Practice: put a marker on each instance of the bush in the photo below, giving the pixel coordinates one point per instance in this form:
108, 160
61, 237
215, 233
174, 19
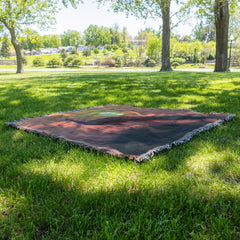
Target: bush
105, 52
138, 62
73, 61
109, 61
63, 54
54, 62
175, 64
38, 62
203, 59
178, 60
109, 48
74, 51
86, 52
119, 60
115, 46
125, 50
68, 60
97, 62
126, 58
150, 62
96, 50
76, 62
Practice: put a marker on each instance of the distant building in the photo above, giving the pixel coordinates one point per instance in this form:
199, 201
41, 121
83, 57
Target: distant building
67, 48
82, 48
48, 50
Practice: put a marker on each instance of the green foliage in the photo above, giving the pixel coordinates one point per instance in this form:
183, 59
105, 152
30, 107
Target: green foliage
74, 51
63, 54
68, 60
192, 50
38, 62
175, 64
109, 47
17, 14
31, 40
178, 60
115, 35
5, 49
97, 36
105, 51
118, 52
145, 35
154, 48
195, 57
86, 52
138, 62
109, 62
234, 25
115, 47
126, 59
205, 33
96, 50
125, 50
97, 62
150, 62
51, 41
54, 62
119, 60
77, 62
71, 38
73, 61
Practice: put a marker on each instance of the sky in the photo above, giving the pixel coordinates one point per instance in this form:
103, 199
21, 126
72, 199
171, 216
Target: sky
88, 13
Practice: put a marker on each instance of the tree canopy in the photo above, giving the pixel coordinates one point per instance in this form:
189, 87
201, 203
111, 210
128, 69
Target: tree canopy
145, 9
71, 38
97, 36
220, 10
17, 15
5, 49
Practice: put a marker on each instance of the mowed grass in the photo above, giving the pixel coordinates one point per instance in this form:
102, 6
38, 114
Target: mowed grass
53, 190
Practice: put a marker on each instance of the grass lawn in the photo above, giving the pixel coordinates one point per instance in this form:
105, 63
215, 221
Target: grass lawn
52, 190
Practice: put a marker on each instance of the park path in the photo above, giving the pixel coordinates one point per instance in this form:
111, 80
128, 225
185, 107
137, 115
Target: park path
110, 70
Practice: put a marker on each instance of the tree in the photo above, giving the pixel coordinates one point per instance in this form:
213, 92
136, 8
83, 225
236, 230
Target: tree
154, 48
31, 41
205, 32
97, 36
234, 25
51, 41
144, 35
115, 35
221, 10
144, 9
72, 38
124, 35
15, 15
5, 49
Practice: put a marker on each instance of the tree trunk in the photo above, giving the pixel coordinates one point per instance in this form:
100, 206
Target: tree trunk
221, 12
17, 48
165, 8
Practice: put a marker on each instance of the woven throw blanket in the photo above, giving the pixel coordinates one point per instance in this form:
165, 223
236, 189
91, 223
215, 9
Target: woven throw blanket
123, 130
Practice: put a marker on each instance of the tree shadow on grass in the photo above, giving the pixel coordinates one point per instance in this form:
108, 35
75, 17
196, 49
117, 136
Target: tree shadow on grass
43, 206
38, 95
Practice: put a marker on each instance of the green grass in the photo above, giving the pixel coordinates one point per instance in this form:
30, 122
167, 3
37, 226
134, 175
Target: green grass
52, 190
